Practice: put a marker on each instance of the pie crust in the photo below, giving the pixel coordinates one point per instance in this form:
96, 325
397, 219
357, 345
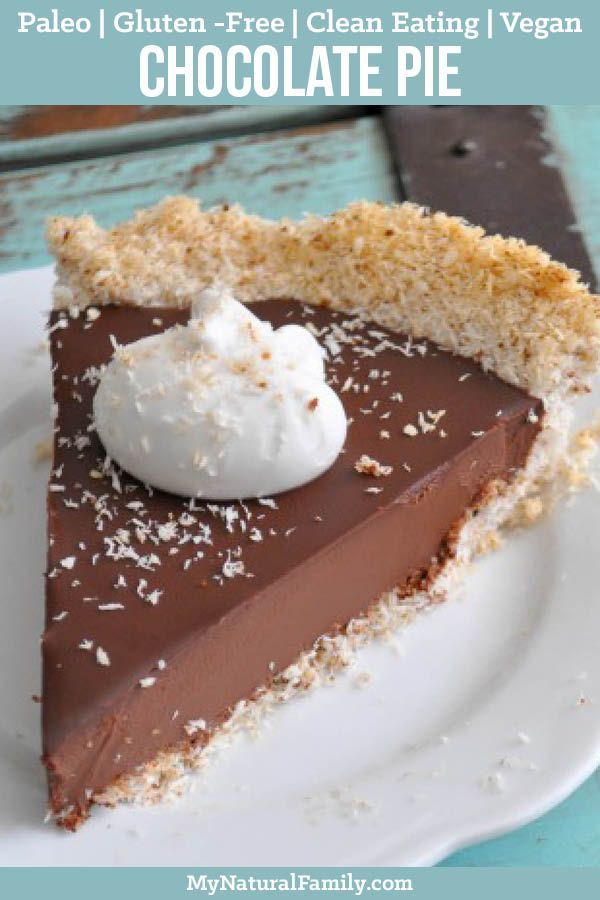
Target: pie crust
497, 300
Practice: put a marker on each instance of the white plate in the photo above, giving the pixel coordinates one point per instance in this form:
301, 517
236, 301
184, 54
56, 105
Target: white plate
472, 724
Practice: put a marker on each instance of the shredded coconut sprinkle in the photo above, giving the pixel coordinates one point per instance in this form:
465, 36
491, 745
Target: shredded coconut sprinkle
102, 657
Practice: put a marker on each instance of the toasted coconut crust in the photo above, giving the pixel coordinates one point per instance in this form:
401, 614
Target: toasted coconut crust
499, 300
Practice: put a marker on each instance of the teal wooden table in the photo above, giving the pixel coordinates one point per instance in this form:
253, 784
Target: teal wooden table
110, 160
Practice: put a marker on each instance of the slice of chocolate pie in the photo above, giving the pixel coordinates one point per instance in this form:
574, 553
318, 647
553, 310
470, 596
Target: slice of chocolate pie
169, 617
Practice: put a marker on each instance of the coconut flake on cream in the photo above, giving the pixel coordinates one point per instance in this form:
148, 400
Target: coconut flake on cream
224, 408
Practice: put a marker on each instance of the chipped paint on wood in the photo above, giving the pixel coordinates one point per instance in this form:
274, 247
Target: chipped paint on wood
38, 135
18, 123
275, 174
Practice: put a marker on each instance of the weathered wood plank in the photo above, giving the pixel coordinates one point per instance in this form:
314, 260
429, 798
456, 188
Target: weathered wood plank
62, 134
316, 168
495, 166
18, 123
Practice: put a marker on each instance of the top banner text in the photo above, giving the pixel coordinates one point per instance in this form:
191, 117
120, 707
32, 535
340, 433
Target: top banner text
269, 52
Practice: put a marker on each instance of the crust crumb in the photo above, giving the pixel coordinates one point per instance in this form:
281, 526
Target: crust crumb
366, 465
571, 473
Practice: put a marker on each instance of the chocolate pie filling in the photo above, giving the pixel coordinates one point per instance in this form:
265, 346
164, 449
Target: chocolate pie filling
163, 613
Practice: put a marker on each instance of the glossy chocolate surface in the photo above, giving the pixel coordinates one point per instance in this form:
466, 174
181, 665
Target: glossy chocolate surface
161, 611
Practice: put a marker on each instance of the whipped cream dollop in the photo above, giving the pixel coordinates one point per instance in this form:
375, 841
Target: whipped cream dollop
223, 408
